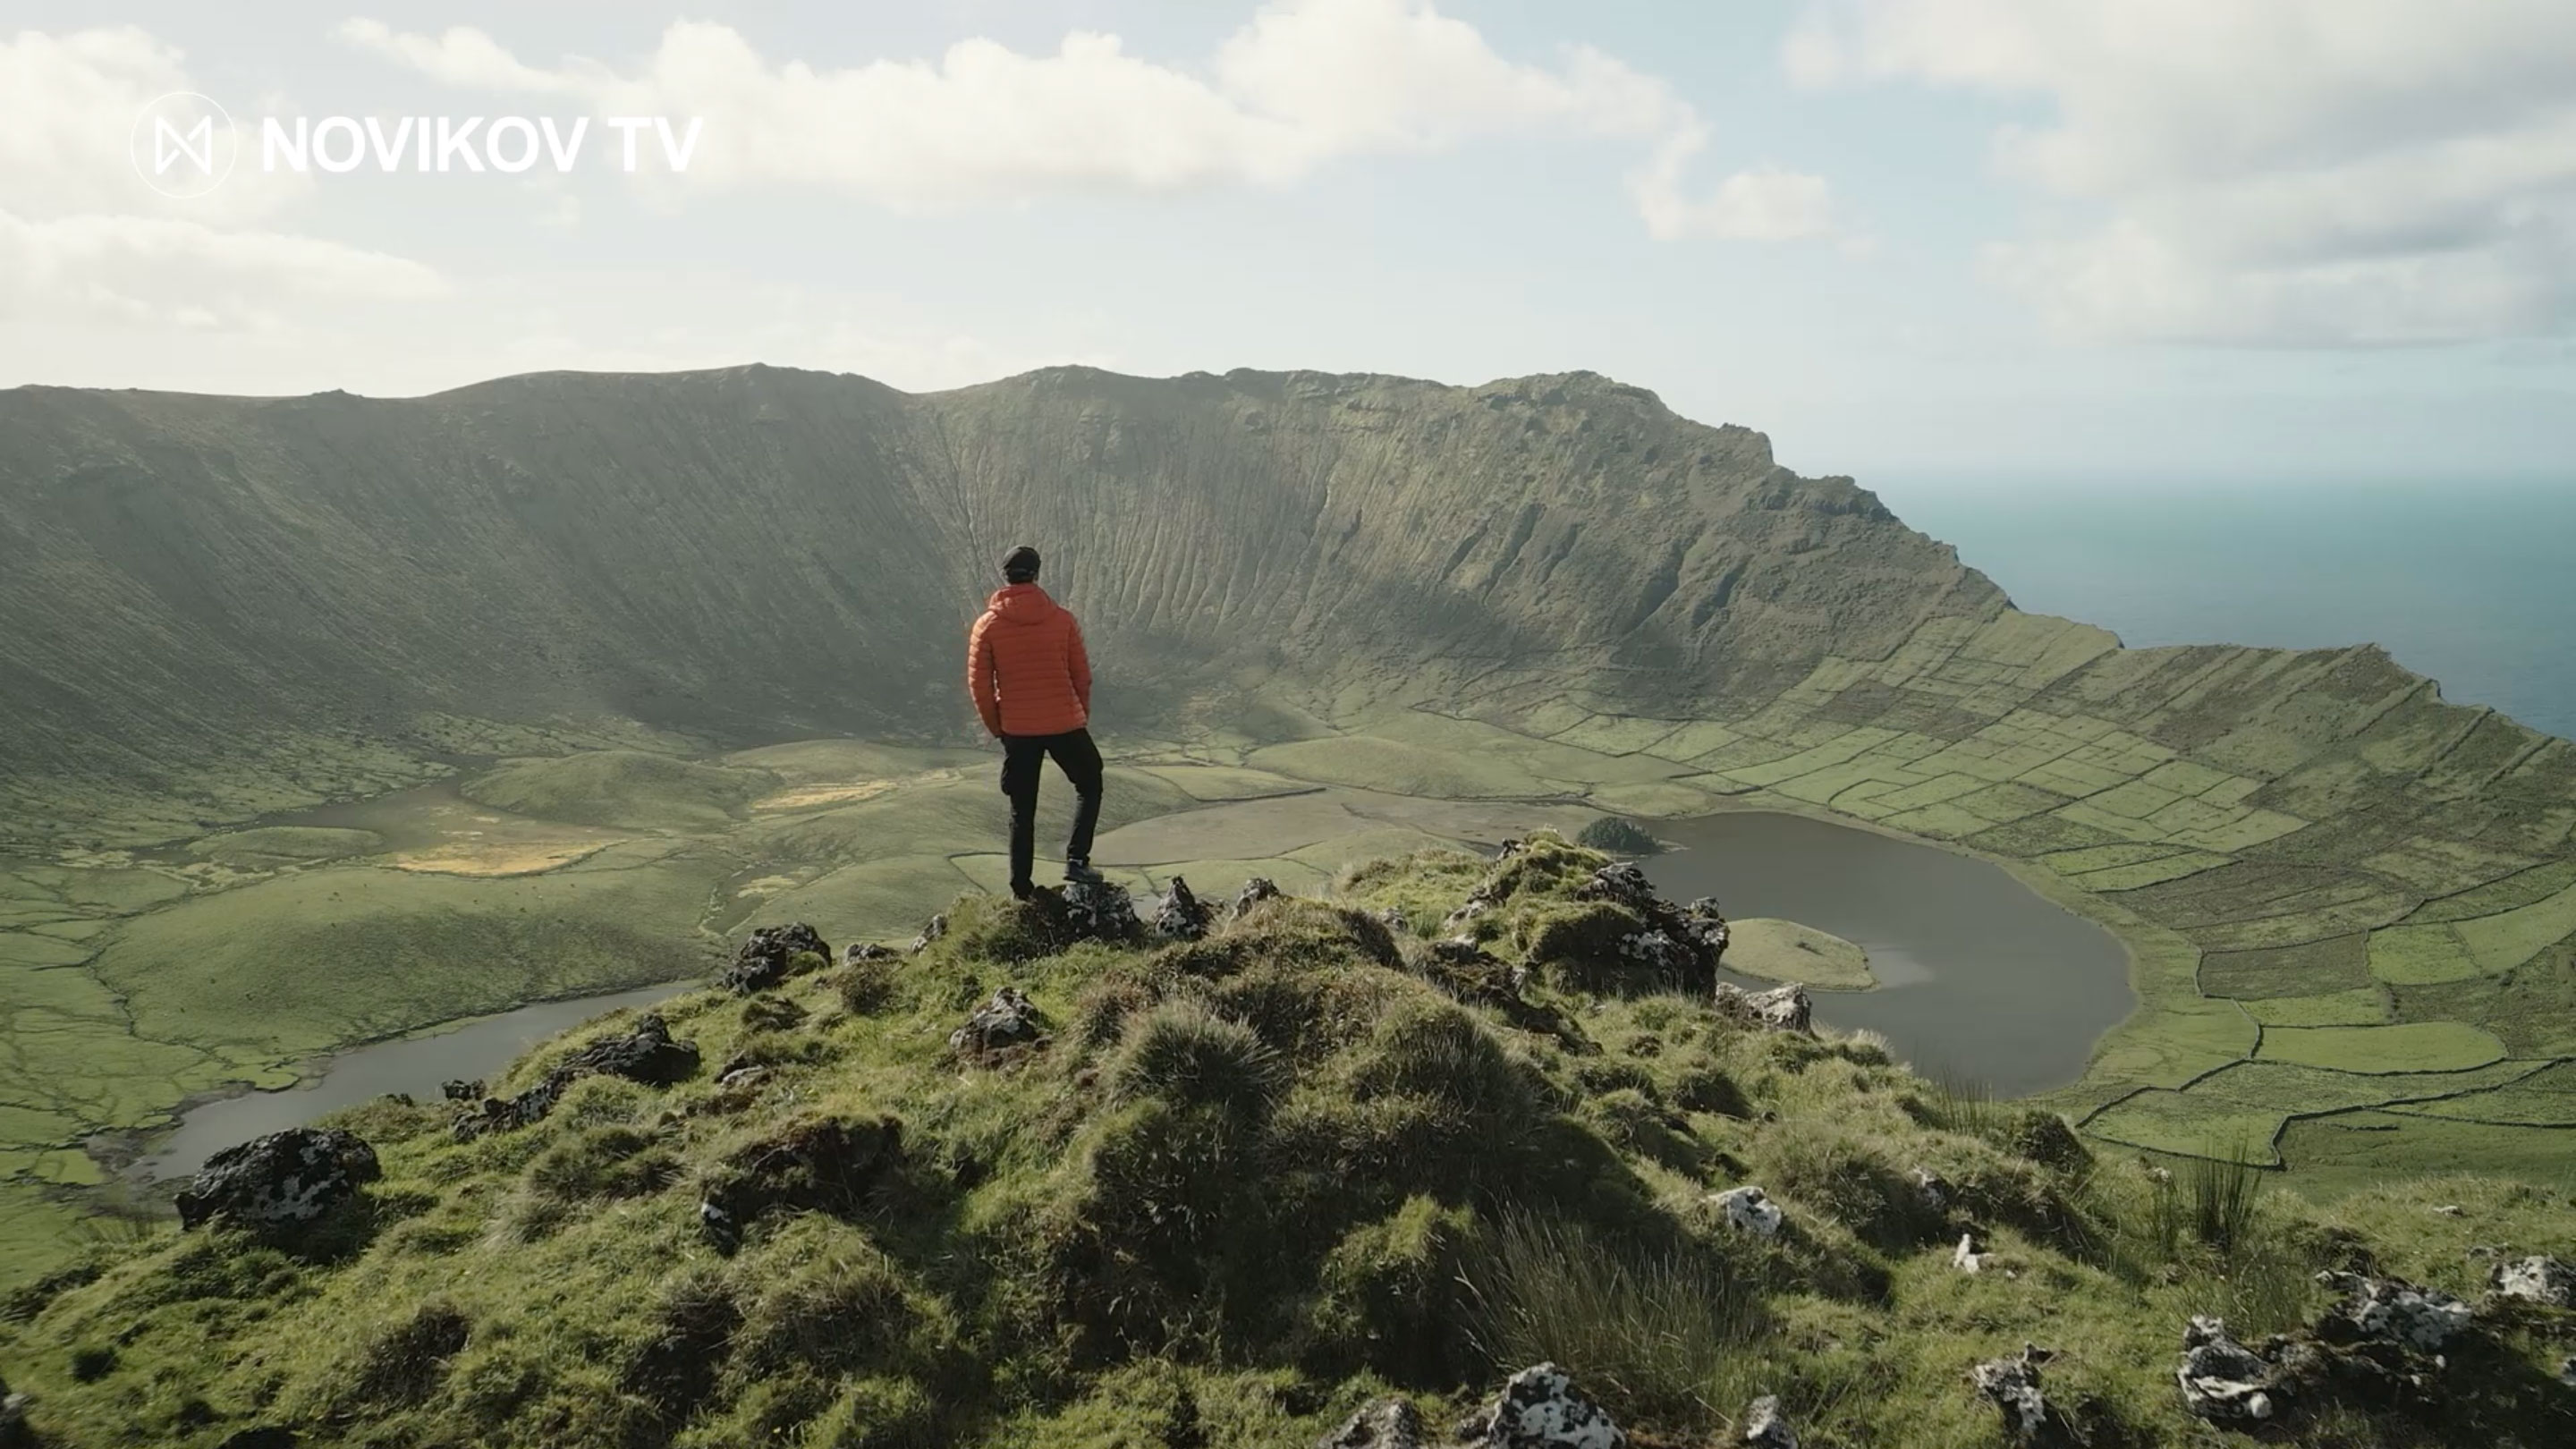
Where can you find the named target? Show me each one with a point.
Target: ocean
(2473, 584)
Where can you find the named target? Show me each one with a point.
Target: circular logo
(183, 145)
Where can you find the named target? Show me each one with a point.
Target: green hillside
(1227, 1192)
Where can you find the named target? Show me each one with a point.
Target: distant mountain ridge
(755, 553)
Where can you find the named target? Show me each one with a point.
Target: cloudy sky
(2114, 240)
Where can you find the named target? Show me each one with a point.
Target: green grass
(1399, 768)
(270, 846)
(2421, 1046)
(628, 789)
(2363, 1006)
(1786, 951)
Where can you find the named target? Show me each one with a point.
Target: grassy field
(1787, 951)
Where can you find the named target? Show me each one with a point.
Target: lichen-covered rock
(1389, 1423)
(281, 1181)
(824, 1164)
(457, 1090)
(1623, 883)
(1101, 911)
(1540, 1408)
(1256, 890)
(1766, 1428)
(2536, 1280)
(647, 1054)
(1657, 953)
(1748, 1210)
(1181, 916)
(2012, 1385)
(1965, 1257)
(2222, 1380)
(770, 956)
(859, 951)
(1782, 1008)
(2392, 1311)
(1007, 1020)
(930, 933)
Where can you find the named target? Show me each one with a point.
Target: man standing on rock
(1031, 682)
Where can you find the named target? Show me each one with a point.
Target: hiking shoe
(1081, 872)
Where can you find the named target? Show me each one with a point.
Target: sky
(2103, 243)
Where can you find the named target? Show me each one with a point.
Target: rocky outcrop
(935, 931)
(1008, 1020)
(1540, 1408)
(1766, 1428)
(1101, 911)
(1256, 890)
(280, 1182)
(2223, 1381)
(859, 951)
(2391, 1311)
(1782, 1008)
(647, 1054)
(771, 956)
(1379, 1424)
(462, 1091)
(826, 1164)
(2012, 1385)
(1394, 919)
(1708, 923)
(2535, 1279)
(1749, 1210)
(1181, 915)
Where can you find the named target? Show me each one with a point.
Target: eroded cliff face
(280, 593)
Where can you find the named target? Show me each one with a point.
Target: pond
(1981, 978)
(483, 1047)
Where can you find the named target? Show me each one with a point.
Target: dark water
(2466, 582)
(417, 1065)
(1981, 977)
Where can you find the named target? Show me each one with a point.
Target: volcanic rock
(1766, 1428)
(280, 1181)
(647, 1054)
(1749, 1210)
(1256, 890)
(859, 951)
(1182, 916)
(769, 957)
(1782, 1008)
(937, 928)
(2535, 1279)
(1007, 1020)
(1101, 911)
(2391, 1311)
(1379, 1424)
(462, 1091)
(2012, 1385)
(1539, 1408)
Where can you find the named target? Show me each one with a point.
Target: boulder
(281, 1181)
(769, 957)
(1656, 953)
(1540, 1408)
(1256, 890)
(647, 1054)
(1749, 1210)
(1101, 911)
(2012, 1385)
(2225, 1382)
(1380, 1424)
(867, 951)
(2391, 1311)
(2535, 1279)
(1783, 1008)
(1965, 1257)
(1007, 1020)
(937, 928)
(823, 1164)
(1766, 1428)
(1181, 916)
(1394, 919)
(1511, 846)
(462, 1091)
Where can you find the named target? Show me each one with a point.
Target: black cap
(1021, 567)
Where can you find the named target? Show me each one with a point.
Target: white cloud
(2299, 172)
(68, 105)
(1304, 84)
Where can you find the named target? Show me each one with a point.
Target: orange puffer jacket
(1025, 667)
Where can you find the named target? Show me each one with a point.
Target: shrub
(866, 987)
(1617, 835)
(1190, 1055)
(1651, 1330)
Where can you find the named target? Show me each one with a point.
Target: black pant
(1079, 758)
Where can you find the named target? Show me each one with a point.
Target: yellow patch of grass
(811, 797)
